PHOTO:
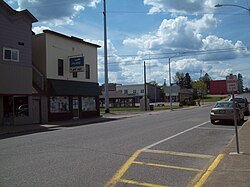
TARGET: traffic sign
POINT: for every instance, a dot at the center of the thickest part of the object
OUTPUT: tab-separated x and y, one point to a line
232	83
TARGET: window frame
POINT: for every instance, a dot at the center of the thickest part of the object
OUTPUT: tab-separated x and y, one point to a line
12	52
59	104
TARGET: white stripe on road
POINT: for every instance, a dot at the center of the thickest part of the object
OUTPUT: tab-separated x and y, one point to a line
180	133
177	153
225	129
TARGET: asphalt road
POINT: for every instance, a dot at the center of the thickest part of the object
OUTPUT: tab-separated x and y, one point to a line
175	147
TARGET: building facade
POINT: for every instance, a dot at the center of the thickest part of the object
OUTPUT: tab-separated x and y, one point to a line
69	67
15	65
178	94
138	91
218	87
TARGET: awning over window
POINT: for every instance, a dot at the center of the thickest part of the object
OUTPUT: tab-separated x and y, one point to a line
72	88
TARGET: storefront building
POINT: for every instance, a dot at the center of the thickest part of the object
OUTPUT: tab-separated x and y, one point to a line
69	66
15	66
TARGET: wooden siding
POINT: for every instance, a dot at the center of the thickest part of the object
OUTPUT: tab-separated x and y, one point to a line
15	77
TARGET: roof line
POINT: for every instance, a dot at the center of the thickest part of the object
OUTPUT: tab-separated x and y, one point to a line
22	12
70	37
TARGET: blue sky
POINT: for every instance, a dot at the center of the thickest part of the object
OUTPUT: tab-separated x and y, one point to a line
198	36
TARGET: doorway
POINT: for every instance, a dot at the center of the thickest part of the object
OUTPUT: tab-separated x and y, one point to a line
75	108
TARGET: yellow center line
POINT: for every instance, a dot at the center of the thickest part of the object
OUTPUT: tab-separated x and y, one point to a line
209	171
122	170
141	183
167	166
177	153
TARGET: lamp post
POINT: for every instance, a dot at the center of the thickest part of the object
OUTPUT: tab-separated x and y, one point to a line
235	121
106	86
220	5
170	85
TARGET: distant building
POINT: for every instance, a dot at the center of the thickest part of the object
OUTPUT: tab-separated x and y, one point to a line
178	94
15	66
138	91
218	87
118	99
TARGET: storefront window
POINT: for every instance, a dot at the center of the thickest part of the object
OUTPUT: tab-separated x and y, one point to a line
21	106
59	104
88	104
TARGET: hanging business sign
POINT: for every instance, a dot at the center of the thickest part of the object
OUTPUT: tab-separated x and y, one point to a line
232	83
76	64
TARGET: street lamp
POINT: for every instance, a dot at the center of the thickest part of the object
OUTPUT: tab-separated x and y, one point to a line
170	85
220	5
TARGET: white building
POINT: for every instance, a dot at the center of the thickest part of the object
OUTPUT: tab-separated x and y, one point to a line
69	67
138	91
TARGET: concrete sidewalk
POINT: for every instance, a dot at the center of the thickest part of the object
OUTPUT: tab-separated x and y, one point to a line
12	130
234	169
15	130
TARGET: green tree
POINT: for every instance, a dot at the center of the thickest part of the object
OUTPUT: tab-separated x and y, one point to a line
200	89
206	79
179	79
187	81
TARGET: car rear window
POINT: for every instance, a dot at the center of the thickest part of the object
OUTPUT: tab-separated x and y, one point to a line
224	105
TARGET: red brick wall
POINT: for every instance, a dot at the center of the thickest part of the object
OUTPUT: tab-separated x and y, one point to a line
218	87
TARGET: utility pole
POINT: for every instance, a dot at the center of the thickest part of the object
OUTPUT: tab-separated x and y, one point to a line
170	86
145	86
106	87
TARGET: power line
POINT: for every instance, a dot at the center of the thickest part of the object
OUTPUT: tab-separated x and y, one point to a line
166	55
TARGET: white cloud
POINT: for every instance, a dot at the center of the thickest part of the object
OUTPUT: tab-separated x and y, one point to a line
221	49
180	6
40	29
56	11
78	7
178	33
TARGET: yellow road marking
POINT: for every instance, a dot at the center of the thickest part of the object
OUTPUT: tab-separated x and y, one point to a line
141	183
122	170
209	170
177	153
167	166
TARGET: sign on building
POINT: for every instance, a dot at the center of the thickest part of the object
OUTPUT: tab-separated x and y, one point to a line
76	64
232	83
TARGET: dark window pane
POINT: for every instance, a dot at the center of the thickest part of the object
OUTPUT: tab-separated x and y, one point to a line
60	67
14	55
87	71
7	54
75	74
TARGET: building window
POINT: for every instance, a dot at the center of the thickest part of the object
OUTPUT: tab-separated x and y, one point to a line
134	91
88	104
59	104
21	106
142	90
60	67
125	91
75	74
87	71
11	54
